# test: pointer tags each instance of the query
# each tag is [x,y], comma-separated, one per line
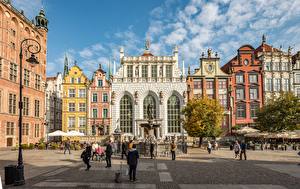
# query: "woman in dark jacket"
[132,161]
[86,156]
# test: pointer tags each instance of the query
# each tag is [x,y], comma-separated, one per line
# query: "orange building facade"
[14,27]
[99,95]
[246,84]
[209,80]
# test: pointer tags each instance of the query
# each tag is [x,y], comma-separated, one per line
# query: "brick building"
[246,84]
[209,80]
[296,74]
[99,94]
[14,27]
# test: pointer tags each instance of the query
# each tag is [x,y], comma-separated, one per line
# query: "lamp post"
[20,180]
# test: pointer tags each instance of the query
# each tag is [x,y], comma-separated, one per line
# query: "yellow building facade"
[74,108]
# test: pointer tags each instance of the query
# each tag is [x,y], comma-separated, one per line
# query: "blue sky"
[92,31]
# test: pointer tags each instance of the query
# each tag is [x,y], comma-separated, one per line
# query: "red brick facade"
[246,85]
[14,27]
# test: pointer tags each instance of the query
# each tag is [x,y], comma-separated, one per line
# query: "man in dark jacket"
[86,156]
[108,153]
[132,161]
[243,150]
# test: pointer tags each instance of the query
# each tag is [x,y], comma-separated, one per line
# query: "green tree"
[280,114]
[203,118]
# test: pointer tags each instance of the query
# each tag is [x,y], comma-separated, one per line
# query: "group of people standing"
[240,150]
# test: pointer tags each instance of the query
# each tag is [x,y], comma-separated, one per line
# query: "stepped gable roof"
[266,48]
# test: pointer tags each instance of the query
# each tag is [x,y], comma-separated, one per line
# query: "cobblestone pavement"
[197,170]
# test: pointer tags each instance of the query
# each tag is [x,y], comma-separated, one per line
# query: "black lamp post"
[20,180]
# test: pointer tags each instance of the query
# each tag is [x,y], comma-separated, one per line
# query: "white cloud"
[86,53]
[224,25]
[31,8]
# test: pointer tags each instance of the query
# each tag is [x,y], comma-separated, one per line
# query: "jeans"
[241,154]
[108,161]
[68,150]
[132,172]
[173,155]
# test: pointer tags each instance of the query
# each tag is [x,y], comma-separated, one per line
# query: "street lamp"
[20,180]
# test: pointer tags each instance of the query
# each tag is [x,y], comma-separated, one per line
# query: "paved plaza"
[197,170]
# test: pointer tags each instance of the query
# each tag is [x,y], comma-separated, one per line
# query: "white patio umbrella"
[57,133]
[74,133]
[246,130]
[256,134]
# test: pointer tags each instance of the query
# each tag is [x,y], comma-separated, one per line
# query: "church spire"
[66,66]
[263,39]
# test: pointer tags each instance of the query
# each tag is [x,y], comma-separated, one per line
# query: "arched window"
[126,114]
[174,114]
[149,100]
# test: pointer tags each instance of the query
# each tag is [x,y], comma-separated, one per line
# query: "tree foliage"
[203,117]
[280,114]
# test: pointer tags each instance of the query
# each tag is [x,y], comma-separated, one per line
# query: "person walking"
[132,161]
[173,150]
[209,146]
[243,150]
[152,150]
[86,156]
[67,146]
[123,148]
[130,144]
[108,153]
[237,149]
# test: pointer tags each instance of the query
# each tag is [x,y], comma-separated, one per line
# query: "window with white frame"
[222,84]
[239,78]
[197,84]
[268,66]
[223,100]
[253,78]
[13,72]
[144,71]
[95,113]
[276,66]
[169,71]
[253,93]
[26,77]
[25,129]
[277,84]
[284,66]
[36,108]
[82,107]
[71,123]
[1,67]
[100,83]
[72,107]
[82,93]
[12,102]
[95,97]
[105,112]
[10,128]
[297,78]
[240,93]
[241,110]
[37,82]
[82,121]
[36,130]
[130,71]
[25,106]
[254,107]
[285,84]
[154,71]
[298,92]
[105,97]
[72,93]
[268,84]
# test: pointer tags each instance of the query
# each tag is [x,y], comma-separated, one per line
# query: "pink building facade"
[99,109]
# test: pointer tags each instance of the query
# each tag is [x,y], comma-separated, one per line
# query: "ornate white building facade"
[53,103]
[296,73]
[143,80]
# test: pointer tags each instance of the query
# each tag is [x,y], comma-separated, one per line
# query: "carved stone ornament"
[113,96]
[160,97]
[136,96]
[184,94]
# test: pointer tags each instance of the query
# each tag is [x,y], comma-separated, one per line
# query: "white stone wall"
[143,89]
